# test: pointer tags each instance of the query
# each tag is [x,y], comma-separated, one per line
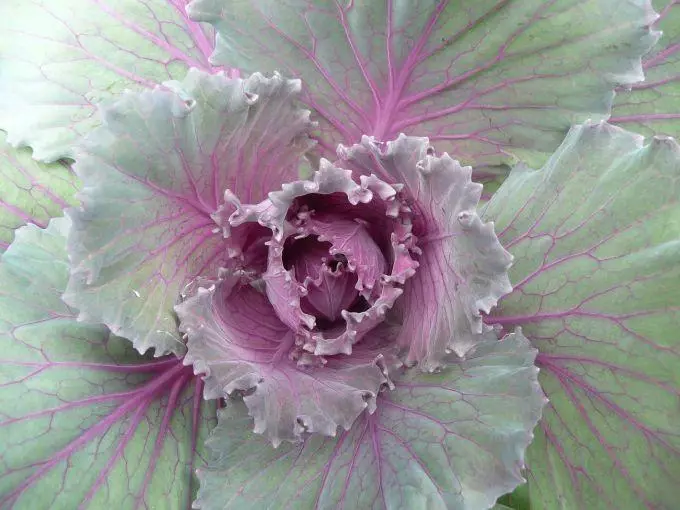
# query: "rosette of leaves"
[304,299]
[325,277]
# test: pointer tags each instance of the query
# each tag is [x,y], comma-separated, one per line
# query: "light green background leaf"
[653,107]
[480,78]
[84,419]
[596,240]
[62,58]
[31,192]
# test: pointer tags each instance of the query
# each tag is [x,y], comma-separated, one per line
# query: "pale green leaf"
[653,106]
[85,421]
[481,78]
[153,175]
[596,240]
[30,192]
[60,59]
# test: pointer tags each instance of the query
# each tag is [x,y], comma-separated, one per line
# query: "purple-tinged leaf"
[454,440]
[482,79]
[596,239]
[653,106]
[236,339]
[305,209]
[153,174]
[60,59]
[30,192]
[85,421]
[462,270]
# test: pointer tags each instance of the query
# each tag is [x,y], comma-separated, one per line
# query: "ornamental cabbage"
[275,272]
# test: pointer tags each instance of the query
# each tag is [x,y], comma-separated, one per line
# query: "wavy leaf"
[481,80]
[235,338]
[462,269]
[31,192]
[596,240]
[61,59]
[153,174]
[85,421]
[653,106]
[453,440]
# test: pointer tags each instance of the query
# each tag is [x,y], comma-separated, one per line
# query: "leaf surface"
[61,59]
[653,106]
[153,175]
[596,240]
[481,79]
[85,421]
[30,192]
[452,440]
[462,268]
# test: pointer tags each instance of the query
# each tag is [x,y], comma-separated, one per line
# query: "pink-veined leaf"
[31,192]
[653,106]
[454,440]
[85,421]
[236,340]
[462,268]
[596,239]
[153,174]
[60,59]
[481,79]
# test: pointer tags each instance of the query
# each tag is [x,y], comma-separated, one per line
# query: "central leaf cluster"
[338,253]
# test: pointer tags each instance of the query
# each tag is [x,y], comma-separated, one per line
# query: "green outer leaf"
[30,192]
[517,499]
[596,240]
[60,59]
[653,107]
[83,415]
[452,440]
[481,78]
[153,174]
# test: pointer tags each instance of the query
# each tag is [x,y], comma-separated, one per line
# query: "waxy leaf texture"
[447,441]
[481,79]
[596,240]
[653,106]
[31,192]
[85,421]
[153,174]
[60,59]
[462,268]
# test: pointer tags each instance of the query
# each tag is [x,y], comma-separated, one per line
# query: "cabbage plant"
[249,263]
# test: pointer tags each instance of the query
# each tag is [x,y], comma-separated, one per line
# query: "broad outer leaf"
[30,192]
[153,174]
[59,59]
[453,440]
[85,421]
[596,240]
[653,106]
[480,78]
